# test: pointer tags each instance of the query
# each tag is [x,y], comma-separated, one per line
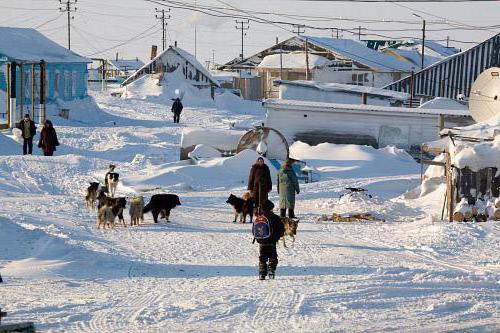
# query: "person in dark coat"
[287,186]
[48,139]
[268,257]
[28,129]
[177,109]
[259,183]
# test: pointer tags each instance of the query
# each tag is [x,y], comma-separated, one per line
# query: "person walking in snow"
[48,139]
[28,131]
[177,109]
[268,257]
[287,186]
[259,183]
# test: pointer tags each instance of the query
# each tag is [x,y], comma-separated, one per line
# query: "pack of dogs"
[110,208]
[244,206]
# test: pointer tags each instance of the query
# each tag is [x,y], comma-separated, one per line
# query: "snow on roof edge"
[329,107]
[330,86]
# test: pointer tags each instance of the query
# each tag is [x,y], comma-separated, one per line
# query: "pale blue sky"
[101,24]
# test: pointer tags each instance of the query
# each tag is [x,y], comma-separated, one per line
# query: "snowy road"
[199,272]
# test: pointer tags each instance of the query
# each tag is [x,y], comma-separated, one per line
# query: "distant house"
[117,70]
[332,60]
[66,71]
[173,59]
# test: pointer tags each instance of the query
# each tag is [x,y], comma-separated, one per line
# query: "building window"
[67,87]
[73,84]
[57,77]
[360,79]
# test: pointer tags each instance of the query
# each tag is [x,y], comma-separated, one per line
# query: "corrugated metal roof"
[29,45]
[360,53]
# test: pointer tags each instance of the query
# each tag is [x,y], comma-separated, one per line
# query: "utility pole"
[242,25]
[359,32]
[68,6]
[195,32]
[423,44]
[337,30]
[298,29]
[447,41]
[163,19]
[423,38]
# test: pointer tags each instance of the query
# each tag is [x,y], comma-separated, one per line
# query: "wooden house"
[173,59]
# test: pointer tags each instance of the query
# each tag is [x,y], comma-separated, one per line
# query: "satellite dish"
[266,141]
[484,100]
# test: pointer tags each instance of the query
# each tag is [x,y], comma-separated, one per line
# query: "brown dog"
[290,229]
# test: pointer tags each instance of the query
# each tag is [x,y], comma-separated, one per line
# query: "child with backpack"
[267,230]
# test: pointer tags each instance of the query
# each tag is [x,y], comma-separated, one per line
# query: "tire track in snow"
[121,315]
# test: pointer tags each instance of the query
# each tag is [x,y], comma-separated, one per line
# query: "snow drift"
[346,161]
[211,173]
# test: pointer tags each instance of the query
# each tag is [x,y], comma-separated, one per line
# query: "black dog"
[91,194]
[162,204]
[241,206]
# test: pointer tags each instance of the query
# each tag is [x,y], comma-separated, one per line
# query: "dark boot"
[273,263]
[282,212]
[262,270]
[291,214]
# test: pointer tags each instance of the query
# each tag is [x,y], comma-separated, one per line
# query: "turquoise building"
[66,71]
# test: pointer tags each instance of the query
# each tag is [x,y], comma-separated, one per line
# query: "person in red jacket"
[48,139]
[259,183]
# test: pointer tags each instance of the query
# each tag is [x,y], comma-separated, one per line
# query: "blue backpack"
[261,228]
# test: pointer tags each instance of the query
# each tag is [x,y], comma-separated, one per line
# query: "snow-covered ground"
[199,272]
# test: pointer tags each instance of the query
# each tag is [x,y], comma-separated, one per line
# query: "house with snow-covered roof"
[117,70]
[175,59]
[343,61]
[66,72]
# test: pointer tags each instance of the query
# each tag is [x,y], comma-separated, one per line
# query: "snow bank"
[83,111]
[9,146]
[204,152]
[220,139]
[163,90]
[346,161]
[213,173]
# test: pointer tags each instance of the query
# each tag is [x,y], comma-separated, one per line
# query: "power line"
[46,22]
[139,36]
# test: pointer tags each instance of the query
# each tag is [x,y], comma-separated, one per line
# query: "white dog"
[136,210]
[112,181]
